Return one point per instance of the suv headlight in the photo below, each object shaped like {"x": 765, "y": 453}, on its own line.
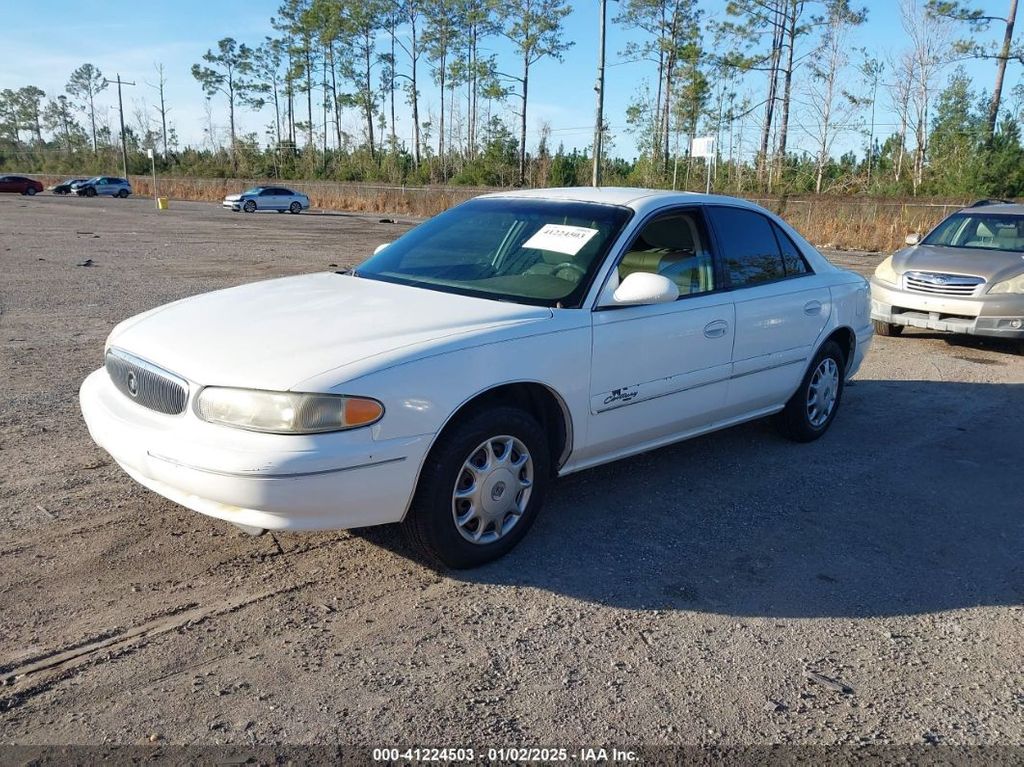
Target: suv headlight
{"x": 1012, "y": 285}
{"x": 886, "y": 273}
{"x": 285, "y": 412}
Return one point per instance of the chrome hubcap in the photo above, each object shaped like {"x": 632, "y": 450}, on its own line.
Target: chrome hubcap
{"x": 492, "y": 489}
{"x": 822, "y": 393}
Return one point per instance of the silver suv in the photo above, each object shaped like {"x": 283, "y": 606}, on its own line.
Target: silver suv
{"x": 964, "y": 276}
{"x": 108, "y": 185}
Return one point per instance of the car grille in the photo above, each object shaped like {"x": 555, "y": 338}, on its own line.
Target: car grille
{"x": 148, "y": 385}
{"x": 939, "y": 284}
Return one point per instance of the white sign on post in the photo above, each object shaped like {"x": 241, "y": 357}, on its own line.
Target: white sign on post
{"x": 702, "y": 146}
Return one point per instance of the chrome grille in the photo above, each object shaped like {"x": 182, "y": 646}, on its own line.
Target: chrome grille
{"x": 939, "y": 284}
{"x": 150, "y": 386}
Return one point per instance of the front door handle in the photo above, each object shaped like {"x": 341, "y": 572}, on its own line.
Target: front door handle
{"x": 812, "y": 308}
{"x": 716, "y": 329}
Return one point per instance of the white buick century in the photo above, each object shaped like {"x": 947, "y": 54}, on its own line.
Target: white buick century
{"x": 447, "y": 380}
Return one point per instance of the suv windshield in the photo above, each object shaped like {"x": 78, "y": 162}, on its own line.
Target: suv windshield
{"x": 529, "y": 251}
{"x": 985, "y": 231}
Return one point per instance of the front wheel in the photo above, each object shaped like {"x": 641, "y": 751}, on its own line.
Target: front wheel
{"x": 810, "y": 411}
{"x": 122, "y": 193}
{"x": 30, "y": 191}
{"x": 250, "y": 206}
{"x": 295, "y": 207}
{"x": 886, "y": 328}
{"x": 481, "y": 488}
{"x": 90, "y": 192}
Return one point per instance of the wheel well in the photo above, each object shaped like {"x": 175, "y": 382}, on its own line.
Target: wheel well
{"x": 847, "y": 341}
{"x": 536, "y": 399}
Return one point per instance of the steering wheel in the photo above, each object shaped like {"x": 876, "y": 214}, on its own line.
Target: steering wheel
{"x": 570, "y": 265}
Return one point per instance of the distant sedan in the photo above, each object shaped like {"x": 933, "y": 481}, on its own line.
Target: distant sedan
{"x": 20, "y": 185}
{"x": 267, "y": 198}
{"x": 65, "y": 186}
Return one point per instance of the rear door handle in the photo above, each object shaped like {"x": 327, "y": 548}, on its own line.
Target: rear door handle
{"x": 812, "y": 307}
{"x": 716, "y": 329}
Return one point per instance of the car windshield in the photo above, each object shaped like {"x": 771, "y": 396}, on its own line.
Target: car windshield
{"x": 529, "y": 251}
{"x": 254, "y": 190}
{"x": 983, "y": 231}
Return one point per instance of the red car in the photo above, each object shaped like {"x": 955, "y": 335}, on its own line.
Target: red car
{"x": 20, "y": 185}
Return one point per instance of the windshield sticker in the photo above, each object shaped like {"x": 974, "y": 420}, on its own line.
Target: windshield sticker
{"x": 561, "y": 238}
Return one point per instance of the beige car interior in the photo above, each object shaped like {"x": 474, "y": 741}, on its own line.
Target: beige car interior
{"x": 672, "y": 247}
{"x": 1003, "y": 238}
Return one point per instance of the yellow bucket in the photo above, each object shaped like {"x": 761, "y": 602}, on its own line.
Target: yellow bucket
{"x": 161, "y": 203}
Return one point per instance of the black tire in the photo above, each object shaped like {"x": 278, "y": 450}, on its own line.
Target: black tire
{"x": 30, "y": 191}
{"x": 430, "y": 522}
{"x": 90, "y": 192}
{"x": 886, "y": 328}
{"x": 249, "y": 206}
{"x": 295, "y": 207}
{"x": 795, "y": 420}
{"x": 122, "y": 193}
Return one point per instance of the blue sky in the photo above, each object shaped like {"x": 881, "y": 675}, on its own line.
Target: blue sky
{"x": 43, "y": 41}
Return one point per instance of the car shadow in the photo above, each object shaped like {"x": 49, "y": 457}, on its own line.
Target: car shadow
{"x": 965, "y": 341}
{"x": 912, "y": 503}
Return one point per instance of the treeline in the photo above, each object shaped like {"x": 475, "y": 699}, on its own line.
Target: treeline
{"x": 779, "y": 84}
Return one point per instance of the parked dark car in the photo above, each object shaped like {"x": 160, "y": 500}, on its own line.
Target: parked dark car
{"x": 65, "y": 186}
{"x": 20, "y": 185}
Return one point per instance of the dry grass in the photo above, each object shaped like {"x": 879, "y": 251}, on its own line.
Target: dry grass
{"x": 872, "y": 224}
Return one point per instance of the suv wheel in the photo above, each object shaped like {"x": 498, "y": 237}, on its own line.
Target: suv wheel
{"x": 886, "y": 328}
{"x": 90, "y": 191}
{"x": 481, "y": 487}
{"x": 122, "y": 193}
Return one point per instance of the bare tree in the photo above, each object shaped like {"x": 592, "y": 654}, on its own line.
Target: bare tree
{"x": 162, "y": 109}
{"x": 929, "y": 50}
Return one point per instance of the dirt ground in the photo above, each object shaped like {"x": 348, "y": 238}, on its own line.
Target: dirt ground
{"x": 687, "y": 596}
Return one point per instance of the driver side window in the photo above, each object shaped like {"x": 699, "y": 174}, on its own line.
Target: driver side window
{"x": 674, "y": 245}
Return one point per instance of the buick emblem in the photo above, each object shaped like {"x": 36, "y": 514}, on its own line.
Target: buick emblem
{"x": 497, "y": 491}
{"x": 133, "y": 384}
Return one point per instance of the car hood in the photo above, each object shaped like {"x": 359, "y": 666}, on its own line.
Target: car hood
{"x": 277, "y": 333}
{"x": 233, "y": 197}
{"x": 992, "y": 265}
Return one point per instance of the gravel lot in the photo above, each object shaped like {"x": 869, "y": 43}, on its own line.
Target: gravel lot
{"x": 678, "y": 597}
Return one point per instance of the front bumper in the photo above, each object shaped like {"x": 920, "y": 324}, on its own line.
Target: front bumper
{"x": 277, "y": 482}
{"x": 232, "y": 204}
{"x": 998, "y": 316}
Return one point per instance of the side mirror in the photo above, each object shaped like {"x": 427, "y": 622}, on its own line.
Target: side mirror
{"x": 642, "y": 288}
{"x": 913, "y": 239}
{"x": 380, "y": 247}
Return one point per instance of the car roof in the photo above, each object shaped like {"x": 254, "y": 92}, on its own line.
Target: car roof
{"x": 632, "y": 197}
{"x": 1002, "y": 208}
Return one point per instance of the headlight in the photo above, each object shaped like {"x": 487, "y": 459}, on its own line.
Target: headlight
{"x": 1012, "y": 285}
{"x": 285, "y": 412}
{"x": 886, "y": 273}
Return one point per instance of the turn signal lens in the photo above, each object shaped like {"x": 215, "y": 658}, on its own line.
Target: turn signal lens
{"x": 285, "y": 412}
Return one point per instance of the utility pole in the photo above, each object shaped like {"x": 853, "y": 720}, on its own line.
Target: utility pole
{"x": 599, "y": 87}
{"x": 120, "y": 112}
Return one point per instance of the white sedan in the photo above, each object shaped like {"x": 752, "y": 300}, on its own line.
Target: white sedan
{"x": 276, "y": 198}
{"x": 447, "y": 380}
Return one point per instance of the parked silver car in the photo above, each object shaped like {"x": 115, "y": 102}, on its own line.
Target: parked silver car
{"x": 965, "y": 276}
{"x": 112, "y": 186}
{"x": 267, "y": 198}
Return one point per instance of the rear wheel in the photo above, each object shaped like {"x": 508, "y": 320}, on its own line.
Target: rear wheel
{"x": 886, "y": 328}
{"x": 810, "y": 411}
{"x": 481, "y": 487}
{"x": 250, "y": 206}
{"x": 295, "y": 207}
